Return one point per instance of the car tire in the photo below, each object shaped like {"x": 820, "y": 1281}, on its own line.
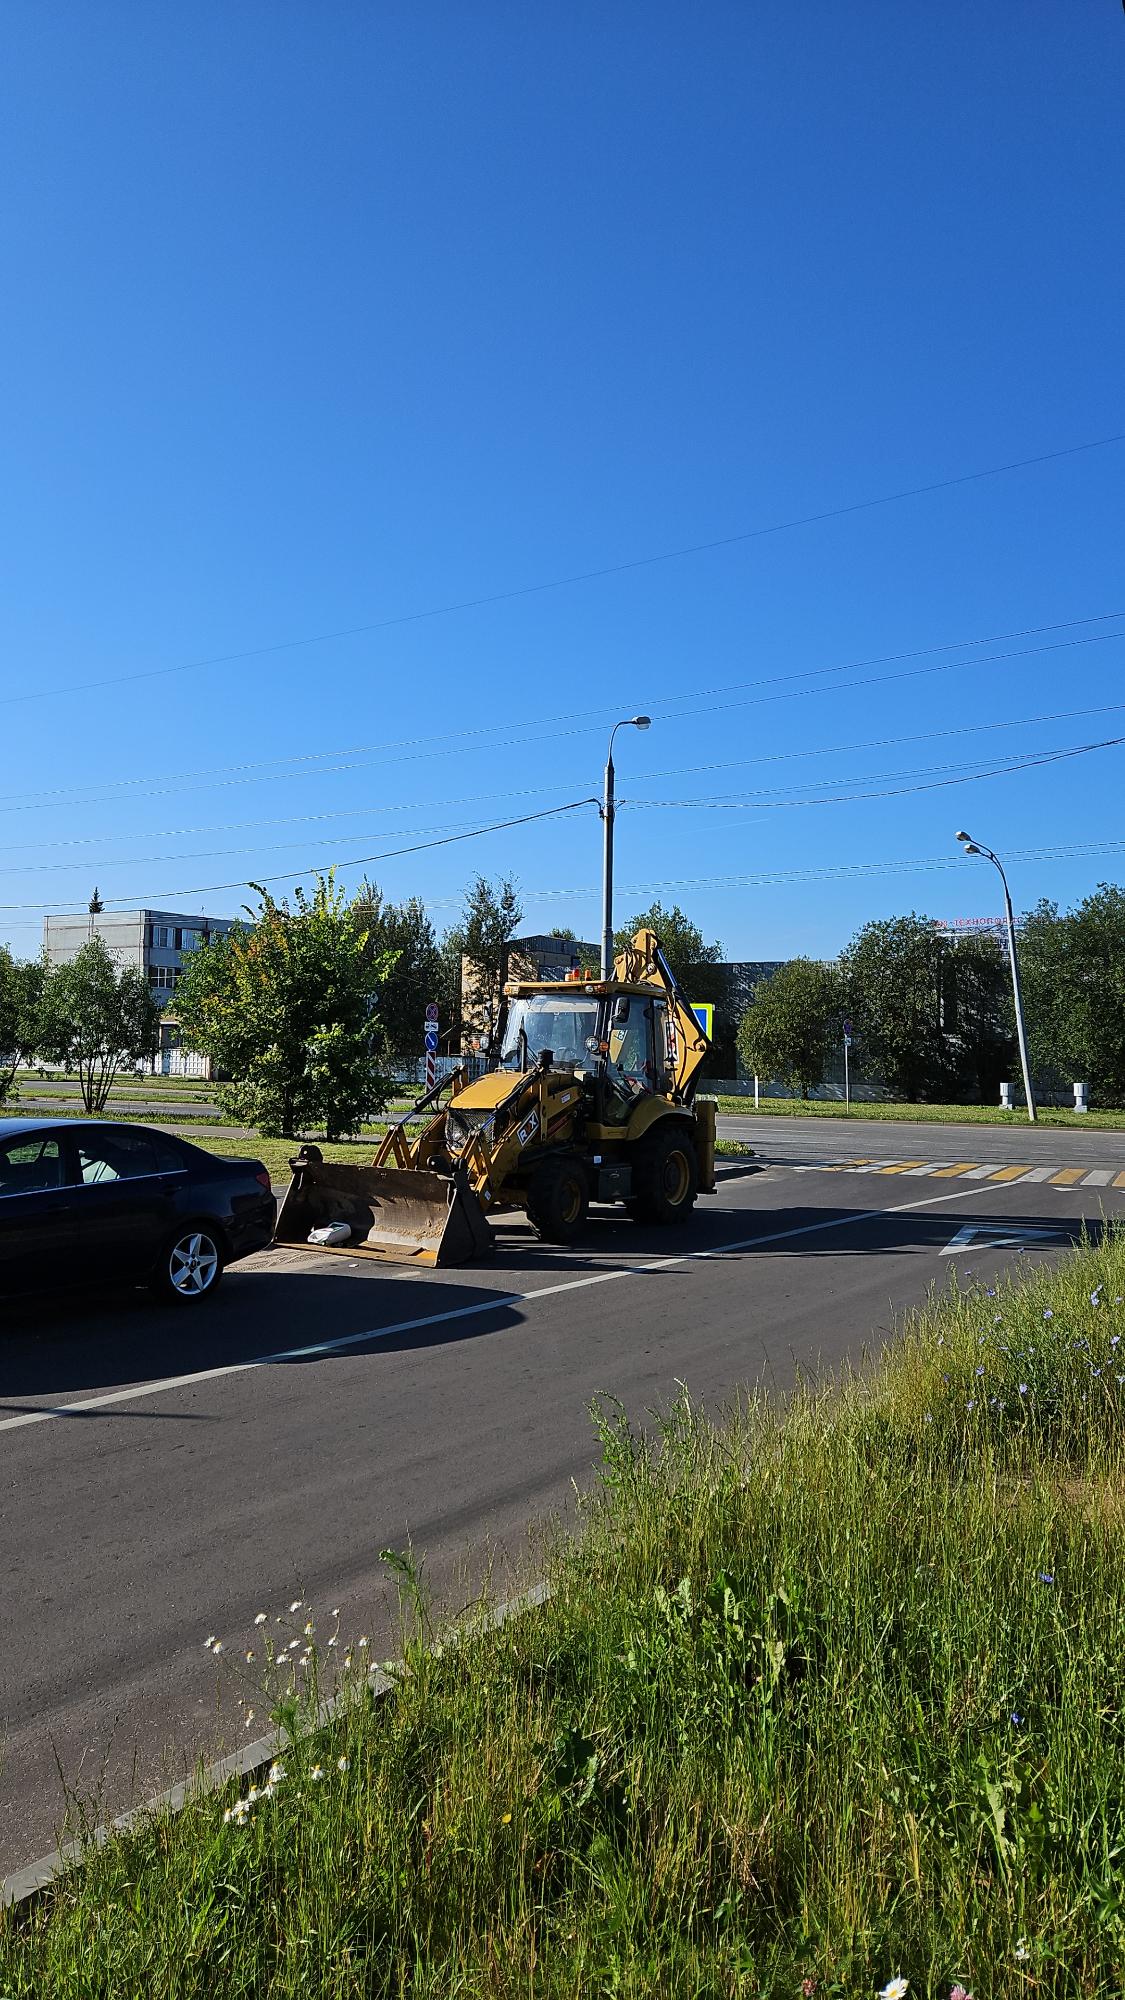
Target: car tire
{"x": 665, "y": 1177}
{"x": 190, "y": 1265}
{"x": 557, "y": 1200}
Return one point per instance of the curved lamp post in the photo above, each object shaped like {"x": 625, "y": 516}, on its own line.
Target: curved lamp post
{"x": 972, "y": 846}
{"x": 608, "y": 808}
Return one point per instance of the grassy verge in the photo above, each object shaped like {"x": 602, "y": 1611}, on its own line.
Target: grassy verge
{"x": 825, "y": 1697}
{"x": 917, "y": 1114}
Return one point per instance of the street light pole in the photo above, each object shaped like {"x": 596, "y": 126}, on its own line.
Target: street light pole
{"x": 608, "y": 810}
{"x": 972, "y": 846}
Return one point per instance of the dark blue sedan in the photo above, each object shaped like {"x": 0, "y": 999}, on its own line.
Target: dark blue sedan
{"x": 100, "y": 1203}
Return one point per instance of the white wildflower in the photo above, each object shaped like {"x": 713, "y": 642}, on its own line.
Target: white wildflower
{"x": 895, "y": 1989}
{"x": 316, "y": 1772}
{"x": 276, "y": 1773}
{"x": 296, "y": 1604}
{"x": 363, "y": 1641}
{"x": 341, "y": 1763}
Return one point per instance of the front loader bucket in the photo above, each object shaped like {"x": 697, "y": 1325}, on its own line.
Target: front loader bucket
{"x": 404, "y": 1215}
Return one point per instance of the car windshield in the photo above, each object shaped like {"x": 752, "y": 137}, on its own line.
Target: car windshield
{"x": 561, "y": 1022}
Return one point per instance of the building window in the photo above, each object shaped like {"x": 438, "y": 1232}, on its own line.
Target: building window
{"x": 162, "y": 978}
{"x": 177, "y": 939}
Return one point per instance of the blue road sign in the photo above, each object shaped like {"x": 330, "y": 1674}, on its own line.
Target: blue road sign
{"x": 431, "y": 1042}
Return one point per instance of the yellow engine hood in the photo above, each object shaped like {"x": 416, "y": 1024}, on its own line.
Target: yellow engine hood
{"x": 490, "y": 1090}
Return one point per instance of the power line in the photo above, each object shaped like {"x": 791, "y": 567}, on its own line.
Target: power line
{"x": 40, "y": 801}
{"x": 753, "y": 803}
{"x": 294, "y": 874}
{"x": 579, "y": 576}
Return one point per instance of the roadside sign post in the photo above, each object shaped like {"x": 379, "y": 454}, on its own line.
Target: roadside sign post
{"x": 431, "y": 1034}
{"x": 847, "y": 1070}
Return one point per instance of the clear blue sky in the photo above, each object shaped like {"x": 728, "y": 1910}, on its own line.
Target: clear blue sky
{"x": 318, "y": 316}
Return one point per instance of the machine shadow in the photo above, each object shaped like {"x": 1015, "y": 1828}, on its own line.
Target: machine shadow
{"x": 67, "y": 1345}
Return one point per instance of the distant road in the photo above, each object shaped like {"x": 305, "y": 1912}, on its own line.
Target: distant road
{"x": 805, "y": 1141}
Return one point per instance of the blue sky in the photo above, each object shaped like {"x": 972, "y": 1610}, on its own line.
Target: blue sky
{"x": 321, "y": 317}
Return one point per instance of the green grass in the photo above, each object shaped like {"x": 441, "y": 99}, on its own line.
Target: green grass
{"x": 918, "y": 1114}
{"x": 831, "y": 1693}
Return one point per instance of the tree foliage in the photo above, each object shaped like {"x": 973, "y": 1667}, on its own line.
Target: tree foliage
{"x": 286, "y": 1007}
{"x": 490, "y": 920}
{"x": 1073, "y": 973}
{"x": 792, "y": 1023}
{"x": 402, "y": 938}
{"x": 21, "y": 995}
{"x": 894, "y": 976}
{"x": 94, "y": 1015}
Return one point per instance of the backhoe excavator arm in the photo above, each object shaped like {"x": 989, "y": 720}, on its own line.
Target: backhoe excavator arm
{"x": 644, "y": 960}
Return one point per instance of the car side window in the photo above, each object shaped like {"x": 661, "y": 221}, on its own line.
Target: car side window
{"x": 169, "y": 1159}
{"x": 114, "y": 1156}
{"x": 28, "y": 1166}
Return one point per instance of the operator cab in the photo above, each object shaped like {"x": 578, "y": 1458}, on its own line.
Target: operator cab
{"x": 618, "y": 1041}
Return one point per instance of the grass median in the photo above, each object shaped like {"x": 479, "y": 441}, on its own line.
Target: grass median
{"x": 917, "y": 1114}
{"x": 824, "y": 1697}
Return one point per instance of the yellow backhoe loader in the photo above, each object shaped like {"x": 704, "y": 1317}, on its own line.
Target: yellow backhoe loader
{"x": 592, "y": 1099}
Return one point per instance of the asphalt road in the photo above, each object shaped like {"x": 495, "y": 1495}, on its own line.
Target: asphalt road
{"x": 165, "y": 1477}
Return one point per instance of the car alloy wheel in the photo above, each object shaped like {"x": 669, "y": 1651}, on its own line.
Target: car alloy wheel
{"x": 193, "y": 1265}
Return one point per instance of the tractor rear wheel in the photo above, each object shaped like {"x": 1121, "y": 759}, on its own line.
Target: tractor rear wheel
{"x": 665, "y": 1176}
{"x": 557, "y": 1199}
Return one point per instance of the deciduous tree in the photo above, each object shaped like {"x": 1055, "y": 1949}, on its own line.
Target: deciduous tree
{"x": 895, "y": 979}
{"x": 790, "y": 1025}
{"x": 286, "y": 1006}
{"x": 94, "y": 1016}
{"x": 21, "y": 995}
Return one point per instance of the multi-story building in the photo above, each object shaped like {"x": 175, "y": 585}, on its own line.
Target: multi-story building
{"x": 156, "y": 942}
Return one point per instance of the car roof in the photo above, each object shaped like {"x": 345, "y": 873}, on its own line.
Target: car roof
{"x": 13, "y": 1128}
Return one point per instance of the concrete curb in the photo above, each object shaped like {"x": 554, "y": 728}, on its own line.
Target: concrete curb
{"x": 39, "y": 1875}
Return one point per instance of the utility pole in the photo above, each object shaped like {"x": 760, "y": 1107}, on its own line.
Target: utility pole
{"x": 608, "y": 810}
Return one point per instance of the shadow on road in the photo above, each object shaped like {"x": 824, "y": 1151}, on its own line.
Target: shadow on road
{"x": 69, "y": 1345}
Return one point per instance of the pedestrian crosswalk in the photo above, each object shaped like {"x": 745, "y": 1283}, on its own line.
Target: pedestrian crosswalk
{"x": 970, "y": 1170}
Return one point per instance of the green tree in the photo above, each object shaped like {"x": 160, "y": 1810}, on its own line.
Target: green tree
{"x": 1073, "y": 974}
{"x": 491, "y": 918}
{"x": 978, "y": 1017}
{"x": 94, "y": 1016}
{"x": 21, "y": 995}
{"x": 895, "y": 981}
{"x": 287, "y": 1008}
{"x": 792, "y": 1023}
{"x": 402, "y": 938}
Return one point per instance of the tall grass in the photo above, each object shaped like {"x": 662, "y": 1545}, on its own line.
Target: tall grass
{"x": 824, "y": 1696}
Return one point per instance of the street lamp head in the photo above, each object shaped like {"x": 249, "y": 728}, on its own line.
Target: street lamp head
{"x": 962, "y": 836}
{"x": 972, "y": 848}
{"x": 640, "y": 721}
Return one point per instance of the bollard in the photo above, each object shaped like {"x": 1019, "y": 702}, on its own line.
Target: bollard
{"x": 1006, "y": 1103}
{"x": 1081, "y": 1097}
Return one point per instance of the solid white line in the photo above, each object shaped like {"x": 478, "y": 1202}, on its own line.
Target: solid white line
{"x": 490, "y": 1305}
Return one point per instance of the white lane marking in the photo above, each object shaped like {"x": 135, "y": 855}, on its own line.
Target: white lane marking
{"x": 999, "y": 1236}
{"x": 490, "y": 1305}
{"x": 1098, "y": 1177}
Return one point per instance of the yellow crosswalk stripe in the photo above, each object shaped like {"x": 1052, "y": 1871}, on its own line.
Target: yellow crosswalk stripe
{"x": 1119, "y": 1180}
{"x": 1009, "y": 1174}
{"x": 949, "y": 1173}
{"x": 1067, "y": 1177}
{"x": 902, "y": 1166}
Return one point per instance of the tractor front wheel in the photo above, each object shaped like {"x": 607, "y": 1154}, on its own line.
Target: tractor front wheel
{"x": 557, "y": 1200}
{"x": 665, "y": 1177}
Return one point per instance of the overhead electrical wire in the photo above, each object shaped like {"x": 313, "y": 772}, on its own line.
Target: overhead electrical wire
{"x": 579, "y": 576}
{"x": 537, "y": 791}
{"x": 42, "y": 801}
{"x": 474, "y": 833}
